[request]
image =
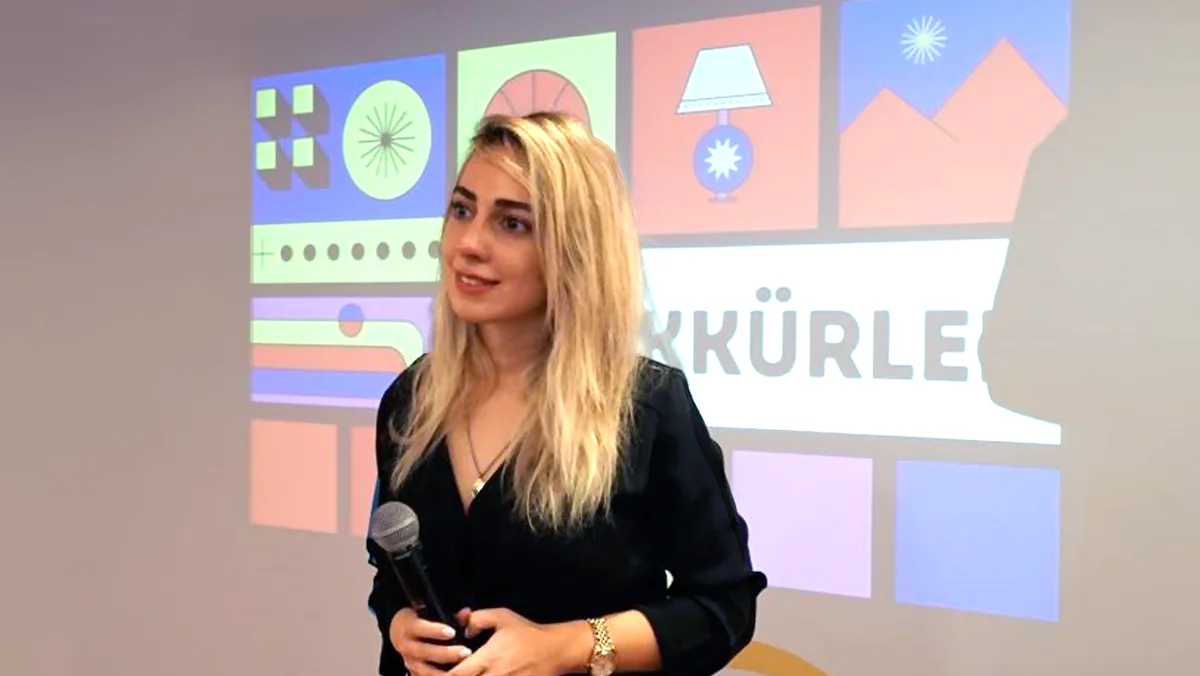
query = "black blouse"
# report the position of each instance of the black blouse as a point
(673, 511)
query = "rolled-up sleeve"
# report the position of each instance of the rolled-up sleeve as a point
(709, 614)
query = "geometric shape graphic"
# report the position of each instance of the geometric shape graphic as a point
(575, 75)
(310, 162)
(362, 478)
(334, 352)
(864, 338)
(980, 538)
(367, 142)
(809, 518)
(539, 90)
(275, 115)
(294, 475)
(723, 79)
(310, 109)
(723, 160)
(726, 118)
(346, 252)
(386, 142)
(942, 103)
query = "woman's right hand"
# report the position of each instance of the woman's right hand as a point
(414, 638)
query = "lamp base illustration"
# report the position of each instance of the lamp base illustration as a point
(723, 158)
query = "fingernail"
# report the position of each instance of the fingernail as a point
(464, 653)
(448, 632)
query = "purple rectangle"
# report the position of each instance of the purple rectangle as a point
(809, 518)
(323, 402)
(416, 310)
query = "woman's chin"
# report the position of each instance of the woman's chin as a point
(473, 312)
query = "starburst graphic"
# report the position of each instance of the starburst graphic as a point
(923, 40)
(387, 139)
(723, 158)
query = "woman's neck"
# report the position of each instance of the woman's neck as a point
(513, 350)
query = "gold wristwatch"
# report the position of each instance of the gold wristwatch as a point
(604, 653)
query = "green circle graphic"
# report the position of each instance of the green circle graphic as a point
(387, 139)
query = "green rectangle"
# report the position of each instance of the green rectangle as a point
(280, 254)
(265, 104)
(266, 155)
(303, 152)
(304, 99)
(588, 61)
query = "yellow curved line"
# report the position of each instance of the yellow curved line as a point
(767, 660)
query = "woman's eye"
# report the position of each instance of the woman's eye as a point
(459, 211)
(515, 225)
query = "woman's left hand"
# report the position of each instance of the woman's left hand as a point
(517, 647)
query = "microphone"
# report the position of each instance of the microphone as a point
(394, 528)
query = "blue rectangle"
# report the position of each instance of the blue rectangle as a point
(350, 385)
(343, 200)
(959, 35)
(981, 538)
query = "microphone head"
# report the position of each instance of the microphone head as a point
(394, 527)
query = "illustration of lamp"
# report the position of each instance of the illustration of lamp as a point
(723, 79)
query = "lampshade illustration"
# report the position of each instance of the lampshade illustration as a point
(723, 79)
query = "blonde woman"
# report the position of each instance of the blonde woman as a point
(557, 474)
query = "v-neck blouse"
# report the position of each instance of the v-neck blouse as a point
(673, 511)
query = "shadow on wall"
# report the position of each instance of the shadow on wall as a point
(1095, 326)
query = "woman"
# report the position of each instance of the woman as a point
(557, 474)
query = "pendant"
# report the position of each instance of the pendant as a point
(476, 487)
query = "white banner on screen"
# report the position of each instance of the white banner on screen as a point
(874, 338)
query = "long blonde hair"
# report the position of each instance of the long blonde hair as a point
(566, 461)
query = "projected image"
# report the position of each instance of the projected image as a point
(981, 538)
(351, 143)
(324, 357)
(821, 541)
(839, 368)
(294, 477)
(942, 103)
(576, 75)
(866, 338)
(725, 121)
(339, 352)
(346, 252)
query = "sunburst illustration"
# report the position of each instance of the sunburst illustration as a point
(723, 158)
(923, 40)
(387, 139)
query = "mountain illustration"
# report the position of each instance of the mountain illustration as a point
(965, 165)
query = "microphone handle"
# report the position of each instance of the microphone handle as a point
(413, 574)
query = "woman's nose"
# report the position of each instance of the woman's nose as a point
(474, 240)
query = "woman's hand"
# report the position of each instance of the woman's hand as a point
(413, 638)
(519, 647)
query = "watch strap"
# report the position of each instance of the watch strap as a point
(603, 649)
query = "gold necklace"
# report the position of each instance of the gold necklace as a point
(479, 482)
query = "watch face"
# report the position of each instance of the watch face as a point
(603, 665)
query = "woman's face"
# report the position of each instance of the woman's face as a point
(490, 261)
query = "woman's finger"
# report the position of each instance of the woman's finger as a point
(431, 631)
(463, 616)
(447, 655)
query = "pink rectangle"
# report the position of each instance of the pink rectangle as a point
(294, 475)
(363, 473)
(809, 518)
